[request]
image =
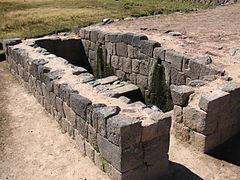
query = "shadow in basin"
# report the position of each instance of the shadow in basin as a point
(228, 151)
(177, 171)
(2, 57)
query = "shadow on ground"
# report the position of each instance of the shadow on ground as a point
(178, 171)
(229, 151)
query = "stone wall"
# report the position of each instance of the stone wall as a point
(123, 147)
(213, 121)
(134, 58)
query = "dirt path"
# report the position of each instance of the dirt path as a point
(32, 144)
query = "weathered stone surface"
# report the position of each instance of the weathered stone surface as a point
(214, 100)
(123, 131)
(156, 149)
(144, 68)
(92, 136)
(98, 160)
(59, 106)
(177, 115)
(79, 104)
(121, 159)
(92, 116)
(79, 141)
(147, 47)
(196, 83)
(89, 150)
(114, 62)
(78, 70)
(159, 53)
(177, 77)
(204, 143)
(92, 55)
(82, 126)
(135, 65)
(174, 58)
(167, 71)
(122, 49)
(102, 116)
(124, 90)
(181, 132)
(94, 35)
(199, 120)
(127, 65)
(70, 114)
(231, 88)
(130, 51)
(180, 94)
(137, 39)
(127, 38)
(52, 97)
(194, 69)
(125, 99)
(108, 80)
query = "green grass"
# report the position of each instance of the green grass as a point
(32, 18)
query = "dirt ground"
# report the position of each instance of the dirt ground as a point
(32, 145)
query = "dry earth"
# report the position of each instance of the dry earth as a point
(32, 146)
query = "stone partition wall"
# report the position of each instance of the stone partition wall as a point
(212, 121)
(134, 58)
(123, 146)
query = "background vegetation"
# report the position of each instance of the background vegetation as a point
(31, 18)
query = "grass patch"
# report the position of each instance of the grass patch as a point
(33, 18)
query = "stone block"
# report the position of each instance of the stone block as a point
(135, 65)
(199, 120)
(144, 68)
(114, 62)
(156, 149)
(164, 121)
(194, 69)
(215, 100)
(204, 143)
(92, 55)
(159, 169)
(180, 94)
(64, 92)
(92, 116)
(131, 51)
(127, 65)
(89, 151)
(94, 35)
(101, 37)
(102, 117)
(177, 115)
(121, 159)
(59, 106)
(133, 78)
(82, 126)
(124, 131)
(137, 38)
(79, 104)
(79, 141)
(147, 47)
(98, 160)
(167, 70)
(159, 53)
(175, 58)
(122, 49)
(181, 132)
(52, 97)
(177, 77)
(70, 114)
(92, 136)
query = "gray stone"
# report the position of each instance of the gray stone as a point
(127, 65)
(125, 99)
(78, 70)
(82, 126)
(10, 42)
(102, 116)
(52, 97)
(130, 51)
(214, 100)
(227, 78)
(174, 58)
(108, 80)
(177, 115)
(125, 90)
(94, 35)
(128, 38)
(137, 39)
(159, 53)
(177, 78)
(98, 160)
(92, 136)
(199, 120)
(196, 83)
(114, 62)
(135, 65)
(147, 47)
(59, 106)
(123, 131)
(121, 159)
(79, 141)
(142, 81)
(122, 49)
(89, 151)
(144, 68)
(79, 104)
(233, 51)
(209, 78)
(86, 77)
(180, 94)
(70, 115)
(92, 55)
(231, 88)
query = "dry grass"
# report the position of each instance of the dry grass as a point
(31, 18)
